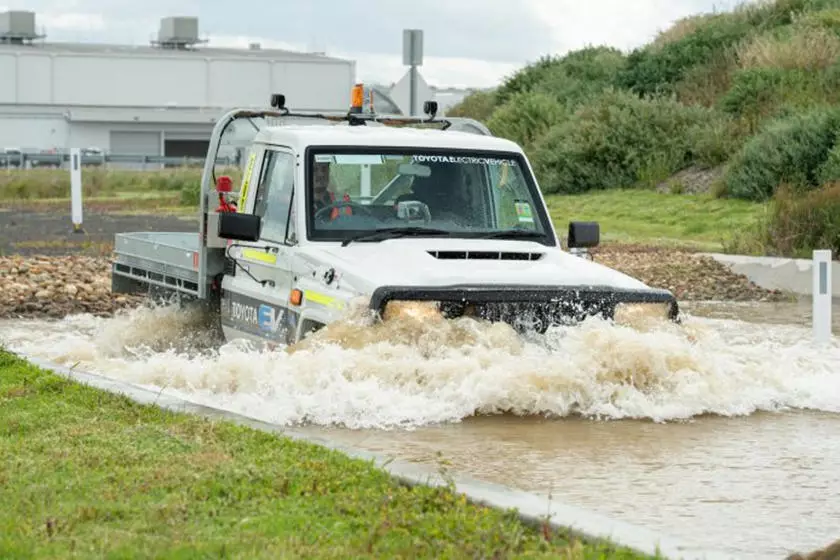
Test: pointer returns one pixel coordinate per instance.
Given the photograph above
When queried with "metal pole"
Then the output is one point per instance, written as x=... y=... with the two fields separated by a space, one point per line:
x=413 y=89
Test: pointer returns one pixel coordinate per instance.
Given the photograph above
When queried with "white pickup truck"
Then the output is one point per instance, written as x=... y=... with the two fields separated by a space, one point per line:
x=411 y=211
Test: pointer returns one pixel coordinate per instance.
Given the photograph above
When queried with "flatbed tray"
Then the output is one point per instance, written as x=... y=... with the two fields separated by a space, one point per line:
x=166 y=259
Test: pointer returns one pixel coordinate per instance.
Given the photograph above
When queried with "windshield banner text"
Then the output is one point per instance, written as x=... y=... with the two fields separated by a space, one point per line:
x=462 y=159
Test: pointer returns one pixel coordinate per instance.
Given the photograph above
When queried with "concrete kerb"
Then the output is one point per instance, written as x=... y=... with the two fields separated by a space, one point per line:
x=773 y=273
x=532 y=509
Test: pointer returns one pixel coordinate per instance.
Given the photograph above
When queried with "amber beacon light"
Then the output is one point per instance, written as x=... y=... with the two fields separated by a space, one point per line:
x=357 y=98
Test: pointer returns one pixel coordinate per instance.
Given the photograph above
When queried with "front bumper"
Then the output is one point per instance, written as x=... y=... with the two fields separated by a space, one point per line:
x=527 y=307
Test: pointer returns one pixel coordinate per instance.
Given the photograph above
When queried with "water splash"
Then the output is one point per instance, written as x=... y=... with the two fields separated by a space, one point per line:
x=412 y=372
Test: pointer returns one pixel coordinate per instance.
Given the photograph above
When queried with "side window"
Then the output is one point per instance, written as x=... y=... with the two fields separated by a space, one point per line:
x=274 y=194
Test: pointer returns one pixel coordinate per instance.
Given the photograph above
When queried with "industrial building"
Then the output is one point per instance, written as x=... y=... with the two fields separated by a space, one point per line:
x=156 y=100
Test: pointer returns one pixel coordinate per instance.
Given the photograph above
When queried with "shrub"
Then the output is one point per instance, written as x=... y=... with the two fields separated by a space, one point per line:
x=758 y=94
x=478 y=105
x=525 y=79
x=704 y=84
x=803 y=48
x=713 y=141
x=526 y=117
x=616 y=141
x=654 y=70
x=790 y=150
x=829 y=171
x=823 y=19
x=796 y=224
x=581 y=74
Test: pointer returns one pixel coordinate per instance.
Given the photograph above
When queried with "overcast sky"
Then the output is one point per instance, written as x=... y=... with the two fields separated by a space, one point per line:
x=467 y=42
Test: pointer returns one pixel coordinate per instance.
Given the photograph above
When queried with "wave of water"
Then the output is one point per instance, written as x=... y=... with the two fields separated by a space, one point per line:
x=413 y=373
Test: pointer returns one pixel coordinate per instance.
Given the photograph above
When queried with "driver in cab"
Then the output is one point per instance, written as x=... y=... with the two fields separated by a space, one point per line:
x=323 y=196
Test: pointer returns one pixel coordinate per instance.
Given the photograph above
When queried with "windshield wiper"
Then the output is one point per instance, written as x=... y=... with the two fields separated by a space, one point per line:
x=392 y=233
x=513 y=234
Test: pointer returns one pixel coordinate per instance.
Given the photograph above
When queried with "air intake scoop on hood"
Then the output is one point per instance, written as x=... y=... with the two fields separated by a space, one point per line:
x=487 y=255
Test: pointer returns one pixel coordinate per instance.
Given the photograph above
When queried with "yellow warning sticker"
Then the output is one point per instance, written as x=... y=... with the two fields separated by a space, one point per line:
x=243 y=196
x=259 y=256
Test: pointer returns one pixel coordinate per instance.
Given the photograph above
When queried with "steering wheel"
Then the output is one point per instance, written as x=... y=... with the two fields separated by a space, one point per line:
x=319 y=215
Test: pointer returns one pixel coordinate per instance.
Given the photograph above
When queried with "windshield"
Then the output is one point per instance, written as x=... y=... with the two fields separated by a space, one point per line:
x=462 y=194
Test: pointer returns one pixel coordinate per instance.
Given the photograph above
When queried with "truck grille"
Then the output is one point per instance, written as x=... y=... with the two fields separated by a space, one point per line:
x=525 y=308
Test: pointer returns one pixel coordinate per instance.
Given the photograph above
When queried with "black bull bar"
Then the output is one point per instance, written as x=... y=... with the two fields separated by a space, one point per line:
x=535 y=307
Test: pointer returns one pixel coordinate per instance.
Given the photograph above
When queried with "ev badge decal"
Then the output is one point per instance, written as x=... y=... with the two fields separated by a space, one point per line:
x=269 y=319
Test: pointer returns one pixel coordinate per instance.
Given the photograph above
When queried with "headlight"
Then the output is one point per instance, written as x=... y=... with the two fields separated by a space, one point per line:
x=418 y=310
x=641 y=314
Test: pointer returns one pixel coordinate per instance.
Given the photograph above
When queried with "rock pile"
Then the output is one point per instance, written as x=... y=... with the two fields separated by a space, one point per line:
x=53 y=287
x=690 y=276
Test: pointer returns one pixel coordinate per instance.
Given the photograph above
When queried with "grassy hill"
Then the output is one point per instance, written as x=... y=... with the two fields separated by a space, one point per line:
x=736 y=105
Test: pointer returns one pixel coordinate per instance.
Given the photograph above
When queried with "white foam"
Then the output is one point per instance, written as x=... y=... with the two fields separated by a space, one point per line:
x=363 y=376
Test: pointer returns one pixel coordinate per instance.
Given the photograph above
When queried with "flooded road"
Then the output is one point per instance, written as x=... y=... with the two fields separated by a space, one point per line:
x=724 y=431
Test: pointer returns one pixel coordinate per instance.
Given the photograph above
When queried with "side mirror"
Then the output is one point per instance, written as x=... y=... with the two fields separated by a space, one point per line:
x=239 y=227
x=584 y=235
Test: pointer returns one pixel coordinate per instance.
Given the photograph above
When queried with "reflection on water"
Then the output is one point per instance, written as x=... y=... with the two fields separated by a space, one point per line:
x=724 y=431
x=798 y=312
x=757 y=487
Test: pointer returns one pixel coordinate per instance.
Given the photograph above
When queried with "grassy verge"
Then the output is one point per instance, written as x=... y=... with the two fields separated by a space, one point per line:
x=89 y=473
x=122 y=203
x=641 y=216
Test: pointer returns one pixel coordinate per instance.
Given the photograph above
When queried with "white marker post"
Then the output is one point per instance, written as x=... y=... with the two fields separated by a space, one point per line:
x=822 y=297
x=76 y=189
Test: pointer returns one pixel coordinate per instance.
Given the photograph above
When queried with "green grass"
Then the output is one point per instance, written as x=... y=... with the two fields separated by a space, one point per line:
x=117 y=203
x=90 y=474
x=648 y=217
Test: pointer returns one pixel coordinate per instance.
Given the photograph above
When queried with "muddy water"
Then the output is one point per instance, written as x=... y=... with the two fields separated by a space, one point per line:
x=724 y=431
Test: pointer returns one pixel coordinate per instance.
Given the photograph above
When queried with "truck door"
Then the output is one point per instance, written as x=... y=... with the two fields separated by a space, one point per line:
x=255 y=300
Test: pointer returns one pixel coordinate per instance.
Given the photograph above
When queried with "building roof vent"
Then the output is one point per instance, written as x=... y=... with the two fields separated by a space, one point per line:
x=178 y=33
x=18 y=27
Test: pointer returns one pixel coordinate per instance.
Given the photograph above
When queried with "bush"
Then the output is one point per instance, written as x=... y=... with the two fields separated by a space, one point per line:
x=478 y=105
x=526 y=118
x=758 y=94
x=657 y=69
x=617 y=141
x=829 y=171
x=802 y=48
x=581 y=75
x=704 y=84
x=525 y=79
x=713 y=141
x=796 y=224
x=790 y=150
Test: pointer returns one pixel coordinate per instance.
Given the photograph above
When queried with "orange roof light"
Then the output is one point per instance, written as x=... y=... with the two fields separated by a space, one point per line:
x=357 y=98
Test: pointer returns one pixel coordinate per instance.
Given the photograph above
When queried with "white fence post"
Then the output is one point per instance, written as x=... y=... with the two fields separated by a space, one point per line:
x=76 y=189
x=822 y=296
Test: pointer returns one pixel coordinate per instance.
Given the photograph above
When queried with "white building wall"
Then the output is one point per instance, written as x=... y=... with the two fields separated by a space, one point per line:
x=33 y=132
x=189 y=80
x=52 y=97
x=34 y=79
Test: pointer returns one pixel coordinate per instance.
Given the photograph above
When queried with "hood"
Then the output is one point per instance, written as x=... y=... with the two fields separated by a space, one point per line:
x=443 y=262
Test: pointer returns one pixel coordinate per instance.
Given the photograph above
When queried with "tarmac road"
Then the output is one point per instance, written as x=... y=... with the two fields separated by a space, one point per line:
x=27 y=232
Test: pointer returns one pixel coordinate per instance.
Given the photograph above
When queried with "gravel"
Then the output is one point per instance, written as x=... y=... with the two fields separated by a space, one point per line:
x=52 y=287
